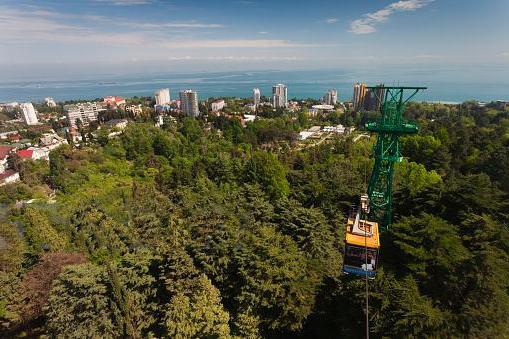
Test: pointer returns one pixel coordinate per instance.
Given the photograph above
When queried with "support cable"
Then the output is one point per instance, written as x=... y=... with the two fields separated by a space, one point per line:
x=366 y=255
x=366 y=277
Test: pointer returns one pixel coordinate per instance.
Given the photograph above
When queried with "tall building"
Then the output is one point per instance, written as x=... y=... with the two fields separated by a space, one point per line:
x=162 y=96
x=189 y=102
x=84 y=112
x=359 y=94
x=280 y=96
x=374 y=98
x=256 y=96
x=29 y=115
x=331 y=97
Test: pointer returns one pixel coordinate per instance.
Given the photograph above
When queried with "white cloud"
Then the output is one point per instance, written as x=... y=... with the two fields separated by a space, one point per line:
x=331 y=20
x=175 y=25
x=235 y=58
x=238 y=43
x=359 y=26
x=428 y=56
x=32 y=27
x=16 y=25
x=408 y=5
x=367 y=24
x=27 y=27
x=126 y=2
x=263 y=32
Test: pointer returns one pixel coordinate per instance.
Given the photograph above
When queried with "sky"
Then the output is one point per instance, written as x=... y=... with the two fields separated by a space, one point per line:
x=42 y=36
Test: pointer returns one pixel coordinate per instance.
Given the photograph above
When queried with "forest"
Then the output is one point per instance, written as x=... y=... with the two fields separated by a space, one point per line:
x=189 y=232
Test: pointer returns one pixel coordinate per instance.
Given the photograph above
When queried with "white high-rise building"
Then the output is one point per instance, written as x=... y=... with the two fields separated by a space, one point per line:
x=50 y=102
x=256 y=96
x=331 y=97
x=29 y=115
x=162 y=96
x=189 y=103
x=280 y=96
x=85 y=112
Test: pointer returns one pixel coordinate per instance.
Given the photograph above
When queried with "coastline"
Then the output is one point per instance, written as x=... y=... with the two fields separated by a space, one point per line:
x=301 y=84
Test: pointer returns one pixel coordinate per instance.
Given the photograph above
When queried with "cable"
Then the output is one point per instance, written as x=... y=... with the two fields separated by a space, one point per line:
x=367 y=285
x=366 y=253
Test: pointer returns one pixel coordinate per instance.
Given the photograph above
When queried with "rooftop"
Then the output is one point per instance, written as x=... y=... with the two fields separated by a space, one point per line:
x=7 y=174
x=360 y=240
x=5 y=150
x=323 y=107
x=25 y=153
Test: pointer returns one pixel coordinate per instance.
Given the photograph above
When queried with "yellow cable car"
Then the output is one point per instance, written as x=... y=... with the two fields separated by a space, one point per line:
x=362 y=244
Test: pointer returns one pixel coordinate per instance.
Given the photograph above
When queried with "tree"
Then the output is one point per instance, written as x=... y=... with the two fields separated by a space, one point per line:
x=309 y=229
x=414 y=315
x=40 y=234
x=12 y=248
x=36 y=284
x=427 y=247
x=100 y=235
x=57 y=165
x=485 y=301
x=80 y=304
x=272 y=279
x=191 y=129
x=265 y=169
x=197 y=312
x=414 y=178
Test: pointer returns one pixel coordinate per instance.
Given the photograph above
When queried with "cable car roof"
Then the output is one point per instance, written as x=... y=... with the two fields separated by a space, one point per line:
x=360 y=240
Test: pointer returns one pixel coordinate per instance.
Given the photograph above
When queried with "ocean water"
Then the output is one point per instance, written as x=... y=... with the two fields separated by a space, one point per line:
x=444 y=84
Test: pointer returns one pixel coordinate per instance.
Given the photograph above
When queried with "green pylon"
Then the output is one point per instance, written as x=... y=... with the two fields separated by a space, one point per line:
x=389 y=127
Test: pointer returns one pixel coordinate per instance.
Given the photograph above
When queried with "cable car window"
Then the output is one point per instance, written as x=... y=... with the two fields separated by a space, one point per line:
x=356 y=257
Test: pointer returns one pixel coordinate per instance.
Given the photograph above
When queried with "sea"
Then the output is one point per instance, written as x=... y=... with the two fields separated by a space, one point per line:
x=447 y=85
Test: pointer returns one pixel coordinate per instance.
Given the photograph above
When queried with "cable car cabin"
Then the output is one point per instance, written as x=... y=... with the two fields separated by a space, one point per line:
x=361 y=235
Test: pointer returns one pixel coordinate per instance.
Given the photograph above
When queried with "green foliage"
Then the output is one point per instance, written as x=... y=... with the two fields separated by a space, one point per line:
x=98 y=234
x=40 y=234
x=12 y=248
x=79 y=304
x=415 y=314
x=309 y=229
x=413 y=177
x=197 y=312
x=265 y=169
x=9 y=298
x=195 y=230
x=273 y=279
x=428 y=245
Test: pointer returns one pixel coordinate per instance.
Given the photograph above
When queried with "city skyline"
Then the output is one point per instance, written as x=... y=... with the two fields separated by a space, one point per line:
x=140 y=35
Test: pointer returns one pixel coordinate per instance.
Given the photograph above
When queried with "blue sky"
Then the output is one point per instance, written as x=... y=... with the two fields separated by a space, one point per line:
x=98 y=35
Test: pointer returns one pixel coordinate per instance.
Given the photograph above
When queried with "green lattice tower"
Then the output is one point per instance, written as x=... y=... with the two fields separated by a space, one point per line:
x=389 y=127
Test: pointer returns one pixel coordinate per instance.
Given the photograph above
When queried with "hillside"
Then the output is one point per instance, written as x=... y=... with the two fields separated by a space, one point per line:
x=187 y=232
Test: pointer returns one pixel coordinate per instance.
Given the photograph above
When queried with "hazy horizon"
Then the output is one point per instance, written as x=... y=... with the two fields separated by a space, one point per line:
x=444 y=84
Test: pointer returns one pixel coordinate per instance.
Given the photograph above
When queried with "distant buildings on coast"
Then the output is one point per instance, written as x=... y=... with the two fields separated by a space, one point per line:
x=256 y=97
x=189 y=103
x=162 y=97
x=83 y=113
x=369 y=99
x=29 y=115
x=280 y=96
x=331 y=97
